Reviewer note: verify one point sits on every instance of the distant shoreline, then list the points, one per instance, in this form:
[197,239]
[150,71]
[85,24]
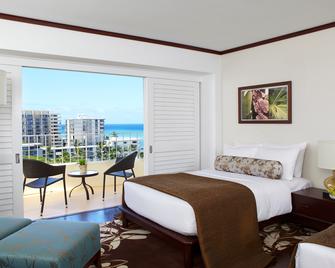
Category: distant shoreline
[121,129]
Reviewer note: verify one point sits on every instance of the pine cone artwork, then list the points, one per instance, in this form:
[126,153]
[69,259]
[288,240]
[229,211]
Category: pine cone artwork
[260,104]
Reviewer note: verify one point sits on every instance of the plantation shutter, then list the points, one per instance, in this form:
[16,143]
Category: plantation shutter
[172,126]
[10,146]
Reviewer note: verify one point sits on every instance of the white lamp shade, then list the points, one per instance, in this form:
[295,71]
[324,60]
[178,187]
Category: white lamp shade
[3,87]
[326,154]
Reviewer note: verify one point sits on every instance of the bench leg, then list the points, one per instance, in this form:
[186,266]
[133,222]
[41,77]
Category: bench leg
[188,256]
[97,261]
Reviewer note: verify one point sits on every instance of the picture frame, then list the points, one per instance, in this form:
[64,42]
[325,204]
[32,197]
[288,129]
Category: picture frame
[265,104]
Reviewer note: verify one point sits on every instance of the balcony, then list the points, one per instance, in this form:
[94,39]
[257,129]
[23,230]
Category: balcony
[99,157]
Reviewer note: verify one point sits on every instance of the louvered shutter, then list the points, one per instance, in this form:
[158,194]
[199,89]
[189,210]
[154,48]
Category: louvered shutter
[172,126]
[10,144]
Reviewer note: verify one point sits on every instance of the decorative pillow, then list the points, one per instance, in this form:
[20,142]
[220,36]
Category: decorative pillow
[240,150]
[250,166]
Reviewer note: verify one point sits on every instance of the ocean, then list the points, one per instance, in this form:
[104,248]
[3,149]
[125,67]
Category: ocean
[122,130]
[126,130]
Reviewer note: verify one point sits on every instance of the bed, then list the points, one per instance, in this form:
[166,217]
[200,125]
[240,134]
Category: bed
[311,255]
[317,250]
[149,203]
[273,198]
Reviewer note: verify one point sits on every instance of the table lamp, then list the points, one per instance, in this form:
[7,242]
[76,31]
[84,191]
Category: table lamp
[326,160]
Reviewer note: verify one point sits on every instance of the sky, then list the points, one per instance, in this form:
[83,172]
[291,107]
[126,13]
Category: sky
[117,99]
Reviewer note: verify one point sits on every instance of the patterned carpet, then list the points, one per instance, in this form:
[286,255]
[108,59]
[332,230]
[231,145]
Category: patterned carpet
[134,247]
[280,237]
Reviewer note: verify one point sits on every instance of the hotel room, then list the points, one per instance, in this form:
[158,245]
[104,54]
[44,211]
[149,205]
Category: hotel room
[238,141]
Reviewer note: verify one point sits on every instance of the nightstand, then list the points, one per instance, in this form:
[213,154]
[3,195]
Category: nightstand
[311,208]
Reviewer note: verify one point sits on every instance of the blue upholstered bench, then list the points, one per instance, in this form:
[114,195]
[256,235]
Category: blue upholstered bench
[9,225]
[52,244]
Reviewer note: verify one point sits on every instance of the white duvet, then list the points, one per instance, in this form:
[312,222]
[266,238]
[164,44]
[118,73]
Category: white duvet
[273,198]
[312,255]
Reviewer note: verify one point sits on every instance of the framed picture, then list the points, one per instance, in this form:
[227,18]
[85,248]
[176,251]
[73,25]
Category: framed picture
[268,103]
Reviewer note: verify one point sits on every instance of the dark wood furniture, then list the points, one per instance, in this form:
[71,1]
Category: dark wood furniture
[123,167]
[78,174]
[41,173]
[313,208]
[187,244]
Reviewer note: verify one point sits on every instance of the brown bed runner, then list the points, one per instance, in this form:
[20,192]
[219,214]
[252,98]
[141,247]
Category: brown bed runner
[225,214]
[325,238]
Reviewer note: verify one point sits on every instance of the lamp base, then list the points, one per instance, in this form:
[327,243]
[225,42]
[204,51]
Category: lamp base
[328,196]
[329,184]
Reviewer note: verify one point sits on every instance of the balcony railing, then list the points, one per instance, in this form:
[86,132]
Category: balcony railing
[60,148]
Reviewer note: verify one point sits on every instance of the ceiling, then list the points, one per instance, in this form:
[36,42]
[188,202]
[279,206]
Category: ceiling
[211,24]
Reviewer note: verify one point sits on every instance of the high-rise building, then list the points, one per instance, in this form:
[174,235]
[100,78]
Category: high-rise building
[85,131]
[41,127]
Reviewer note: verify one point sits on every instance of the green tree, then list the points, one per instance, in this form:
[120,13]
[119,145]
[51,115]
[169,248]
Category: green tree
[79,152]
[112,153]
[66,156]
[102,151]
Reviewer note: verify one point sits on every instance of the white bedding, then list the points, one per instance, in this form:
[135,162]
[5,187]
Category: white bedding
[273,198]
[312,255]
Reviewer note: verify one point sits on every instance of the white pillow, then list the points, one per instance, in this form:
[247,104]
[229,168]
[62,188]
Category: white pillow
[242,151]
[300,159]
[248,144]
[286,156]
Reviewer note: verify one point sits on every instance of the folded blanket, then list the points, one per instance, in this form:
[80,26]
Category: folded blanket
[225,214]
[325,238]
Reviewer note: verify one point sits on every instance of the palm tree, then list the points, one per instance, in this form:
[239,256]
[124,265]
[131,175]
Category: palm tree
[79,152]
[278,103]
[48,153]
[65,156]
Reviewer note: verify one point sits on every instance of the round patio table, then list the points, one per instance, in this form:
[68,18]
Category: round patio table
[78,174]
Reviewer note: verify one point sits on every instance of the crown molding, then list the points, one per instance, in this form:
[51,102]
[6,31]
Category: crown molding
[10,17]
[105,33]
[280,38]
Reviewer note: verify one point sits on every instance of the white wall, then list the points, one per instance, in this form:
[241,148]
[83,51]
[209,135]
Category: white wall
[309,61]
[33,45]
[23,37]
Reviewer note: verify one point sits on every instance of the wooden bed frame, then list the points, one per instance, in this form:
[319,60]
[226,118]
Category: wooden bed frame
[187,244]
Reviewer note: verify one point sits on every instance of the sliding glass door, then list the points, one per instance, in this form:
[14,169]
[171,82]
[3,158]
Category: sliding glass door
[11,178]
